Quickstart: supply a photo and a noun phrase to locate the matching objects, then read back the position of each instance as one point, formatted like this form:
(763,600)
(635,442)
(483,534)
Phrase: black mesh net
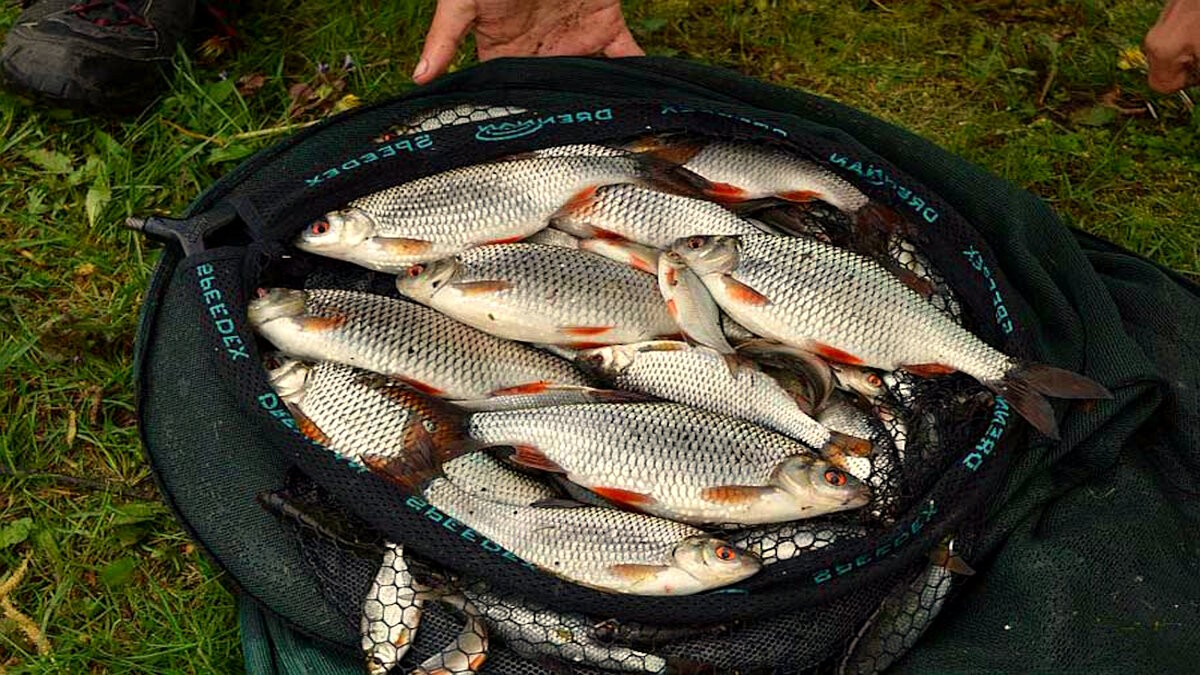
(850,591)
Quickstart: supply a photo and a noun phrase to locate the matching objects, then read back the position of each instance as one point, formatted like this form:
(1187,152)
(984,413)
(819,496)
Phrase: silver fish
(445,213)
(674,461)
(535,631)
(648,217)
(777,543)
(698,376)
(552,237)
(391,612)
(848,308)
(689,303)
(433,353)
(467,654)
(603,548)
(903,616)
(639,257)
(543,294)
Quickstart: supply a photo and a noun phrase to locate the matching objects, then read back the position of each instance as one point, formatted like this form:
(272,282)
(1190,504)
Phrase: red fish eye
(874,380)
(835,478)
(726,553)
(320,227)
(695,242)
(415,271)
(262,293)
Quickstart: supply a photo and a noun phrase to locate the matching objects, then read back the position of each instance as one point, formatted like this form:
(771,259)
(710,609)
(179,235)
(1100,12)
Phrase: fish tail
(659,171)
(1027,385)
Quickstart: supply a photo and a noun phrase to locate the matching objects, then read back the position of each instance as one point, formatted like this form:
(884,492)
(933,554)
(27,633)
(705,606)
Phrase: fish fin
(606,235)
(402,246)
(929,369)
(633,573)
(624,497)
(505,240)
(850,445)
(638,261)
(308,427)
(434,427)
(736,494)
(876,217)
(668,176)
(1028,403)
(419,386)
(578,202)
(584,331)
(800,195)
(481,287)
(317,324)
(831,353)
(673,309)
(587,344)
(1059,383)
(726,193)
(743,293)
(923,287)
(531,457)
(557,503)
(676,152)
(751,206)
(942,556)
(528,388)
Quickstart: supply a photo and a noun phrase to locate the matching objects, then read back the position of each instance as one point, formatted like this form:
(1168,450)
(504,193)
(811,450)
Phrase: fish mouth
(276,303)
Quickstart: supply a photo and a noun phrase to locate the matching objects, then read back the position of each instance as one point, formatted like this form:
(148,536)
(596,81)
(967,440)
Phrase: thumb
(623,45)
(451,21)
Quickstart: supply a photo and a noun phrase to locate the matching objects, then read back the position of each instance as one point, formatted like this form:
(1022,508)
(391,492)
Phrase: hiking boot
(105,54)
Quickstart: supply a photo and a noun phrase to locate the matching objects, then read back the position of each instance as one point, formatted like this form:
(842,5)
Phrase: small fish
(552,237)
(689,303)
(467,654)
(443,214)
(542,294)
(391,612)
(777,543)
(674,461)
(849,309)
(903,616)
(535,632)
(603,548)
(860,381)
(433,353)
(879,471)
(647,217)
(636,256)
(698,377)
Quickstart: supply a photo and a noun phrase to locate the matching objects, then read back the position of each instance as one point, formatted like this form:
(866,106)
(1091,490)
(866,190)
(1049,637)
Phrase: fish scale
(664,458)
(648,216)
(547,294)
(404,339)
(588,544)
(827,295)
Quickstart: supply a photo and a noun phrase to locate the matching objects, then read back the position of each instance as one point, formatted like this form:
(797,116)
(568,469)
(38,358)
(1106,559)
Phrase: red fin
(847,444)
(836,355)
(735,494)
(632,572)
(799,195)
(580,201)
(476,662)
(585,330)
(529,388)
(588,344)
(923,287)
(506,240)
(670,276)
(308,427)
(641,263)
(421,386)
(527,455)
(403,247)
(481,287)
(627,497)
(743,293)
(322,323)
(677,152)
(672,309)
(726,192)
(609,235)
(929,369)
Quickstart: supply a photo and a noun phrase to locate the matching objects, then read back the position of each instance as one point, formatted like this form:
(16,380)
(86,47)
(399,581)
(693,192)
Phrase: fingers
(1172,46)
(451,21)
(623,45)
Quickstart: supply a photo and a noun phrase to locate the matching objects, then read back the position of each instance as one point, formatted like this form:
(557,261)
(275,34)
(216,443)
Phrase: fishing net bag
(218,437)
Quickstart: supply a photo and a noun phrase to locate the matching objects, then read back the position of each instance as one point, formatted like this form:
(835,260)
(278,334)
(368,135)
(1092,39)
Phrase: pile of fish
(651,368)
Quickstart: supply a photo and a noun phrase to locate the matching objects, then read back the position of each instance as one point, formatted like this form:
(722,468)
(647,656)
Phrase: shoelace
(116,13)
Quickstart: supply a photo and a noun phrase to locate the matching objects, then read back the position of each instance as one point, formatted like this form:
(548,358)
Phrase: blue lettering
(449,524)
(387,151)
(491,546)
(211,296)
(403,144)
(604,115)
(583,116)
(469,535)
(350,165)
(225,326)
(206,268)
(268,400)
(415,503)
(369,157)
(424,141)
(822,576)
(312,182)
(218,309)
(973,461)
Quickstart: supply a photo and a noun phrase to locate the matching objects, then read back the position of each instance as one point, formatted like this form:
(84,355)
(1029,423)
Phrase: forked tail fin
(1027,385)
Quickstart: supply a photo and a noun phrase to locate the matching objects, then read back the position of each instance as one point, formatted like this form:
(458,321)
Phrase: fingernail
(422,66)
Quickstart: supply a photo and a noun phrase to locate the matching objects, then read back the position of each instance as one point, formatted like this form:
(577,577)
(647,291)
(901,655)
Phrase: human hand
(1172,47)
(524,28)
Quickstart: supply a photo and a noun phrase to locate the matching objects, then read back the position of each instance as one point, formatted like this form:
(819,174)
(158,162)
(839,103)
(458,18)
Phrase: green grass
(114,583)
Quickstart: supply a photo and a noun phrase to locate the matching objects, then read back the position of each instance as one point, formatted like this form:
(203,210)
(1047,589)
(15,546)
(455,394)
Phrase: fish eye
(835,478)
(725,552)
(874,380)
(695,243)
(319,227)
(415,271)
(261,293)
(429,425)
